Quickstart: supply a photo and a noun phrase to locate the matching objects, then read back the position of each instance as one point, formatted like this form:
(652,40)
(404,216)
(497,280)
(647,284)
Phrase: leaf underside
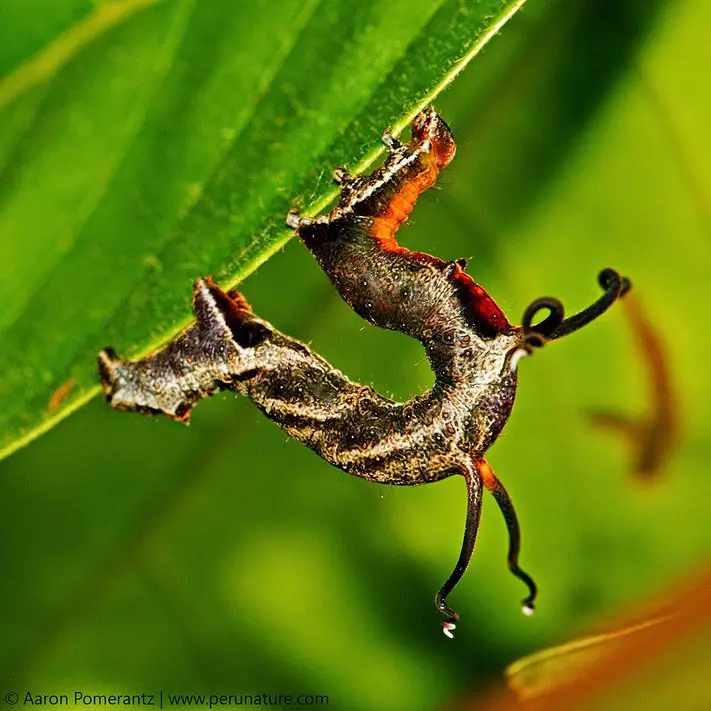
(155,142)
(138,554)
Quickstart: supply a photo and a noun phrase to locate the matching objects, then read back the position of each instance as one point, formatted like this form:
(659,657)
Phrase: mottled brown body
(472,348)
(389,285)
(348,424)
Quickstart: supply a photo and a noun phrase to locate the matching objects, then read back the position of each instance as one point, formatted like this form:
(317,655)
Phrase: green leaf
(138,554)
(155,142)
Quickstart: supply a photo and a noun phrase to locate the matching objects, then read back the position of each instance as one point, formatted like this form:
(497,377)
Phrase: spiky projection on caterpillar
(472,348)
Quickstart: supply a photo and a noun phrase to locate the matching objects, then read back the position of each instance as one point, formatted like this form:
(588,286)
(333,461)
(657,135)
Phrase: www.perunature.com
(163,699)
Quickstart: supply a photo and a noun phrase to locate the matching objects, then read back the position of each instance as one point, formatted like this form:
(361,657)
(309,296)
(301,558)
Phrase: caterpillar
(472,347)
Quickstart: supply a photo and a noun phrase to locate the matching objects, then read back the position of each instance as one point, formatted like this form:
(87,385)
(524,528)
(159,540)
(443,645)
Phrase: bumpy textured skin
(472,347)
(385,283)
(348,424)
(468,340)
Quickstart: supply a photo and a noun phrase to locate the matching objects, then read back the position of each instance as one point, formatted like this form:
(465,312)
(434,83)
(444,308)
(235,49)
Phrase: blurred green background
(139,555)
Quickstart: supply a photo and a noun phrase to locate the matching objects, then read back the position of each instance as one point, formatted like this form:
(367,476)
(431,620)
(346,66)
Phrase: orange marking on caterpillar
(400,206)
(490,479)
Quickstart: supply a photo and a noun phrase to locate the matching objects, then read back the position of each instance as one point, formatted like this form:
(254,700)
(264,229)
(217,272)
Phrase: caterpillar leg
(343,177)
(390,142)
(295,222)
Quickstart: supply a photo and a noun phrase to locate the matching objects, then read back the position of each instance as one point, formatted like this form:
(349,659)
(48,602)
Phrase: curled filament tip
(555,325)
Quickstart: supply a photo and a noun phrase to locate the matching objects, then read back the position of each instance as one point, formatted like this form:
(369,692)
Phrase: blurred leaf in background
(658,658)
(223,558)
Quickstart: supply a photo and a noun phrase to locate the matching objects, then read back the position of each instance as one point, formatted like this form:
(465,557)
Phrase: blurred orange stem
(653,437)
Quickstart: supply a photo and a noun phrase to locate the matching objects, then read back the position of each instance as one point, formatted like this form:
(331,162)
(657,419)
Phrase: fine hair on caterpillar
(472,347)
